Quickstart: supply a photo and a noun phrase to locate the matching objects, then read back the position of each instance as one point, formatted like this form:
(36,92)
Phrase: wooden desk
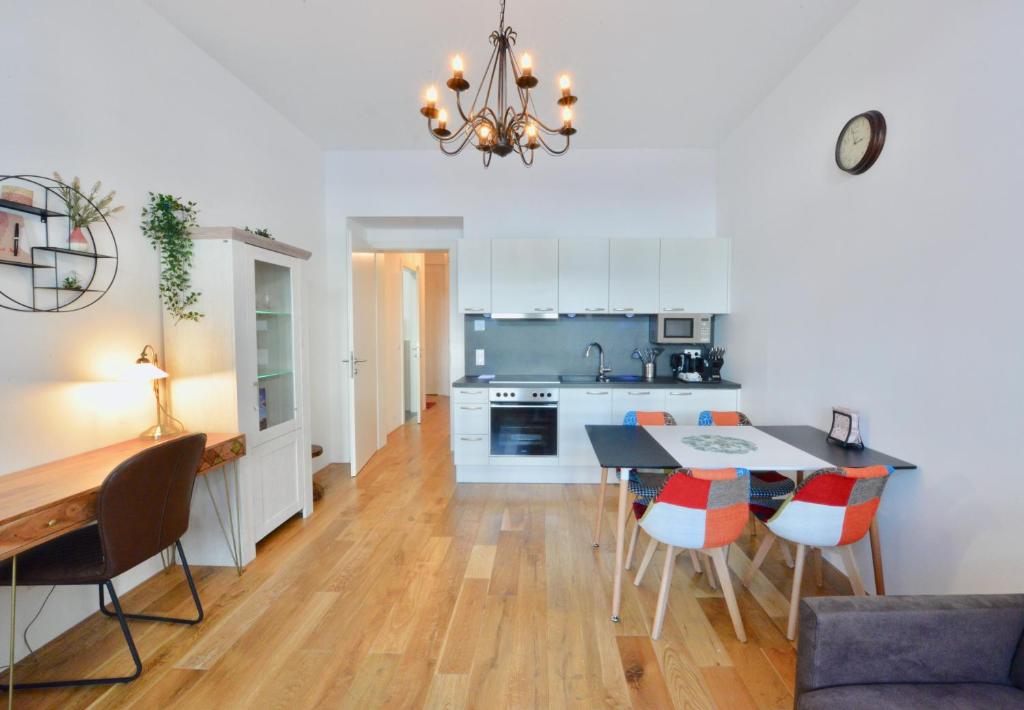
(43,502)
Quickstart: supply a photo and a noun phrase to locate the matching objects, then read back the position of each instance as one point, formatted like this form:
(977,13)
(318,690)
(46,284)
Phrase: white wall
(108,90)
(895,292)
(588,193)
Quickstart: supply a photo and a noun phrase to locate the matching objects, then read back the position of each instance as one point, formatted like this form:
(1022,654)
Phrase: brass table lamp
(146,369)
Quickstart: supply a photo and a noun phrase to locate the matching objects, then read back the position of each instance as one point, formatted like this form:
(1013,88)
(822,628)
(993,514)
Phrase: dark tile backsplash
(555,347)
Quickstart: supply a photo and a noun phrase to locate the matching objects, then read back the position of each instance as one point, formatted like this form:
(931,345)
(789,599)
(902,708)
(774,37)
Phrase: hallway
(404,590)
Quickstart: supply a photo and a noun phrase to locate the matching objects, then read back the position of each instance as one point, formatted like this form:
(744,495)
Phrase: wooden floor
(404,590)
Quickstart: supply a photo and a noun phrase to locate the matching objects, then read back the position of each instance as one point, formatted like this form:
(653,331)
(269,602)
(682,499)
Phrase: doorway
(411,345)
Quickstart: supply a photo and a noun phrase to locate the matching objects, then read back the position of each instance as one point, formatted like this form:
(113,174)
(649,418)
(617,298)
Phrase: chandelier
(496,126)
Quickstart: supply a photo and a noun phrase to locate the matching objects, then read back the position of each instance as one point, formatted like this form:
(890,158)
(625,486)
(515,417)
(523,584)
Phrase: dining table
(789,449)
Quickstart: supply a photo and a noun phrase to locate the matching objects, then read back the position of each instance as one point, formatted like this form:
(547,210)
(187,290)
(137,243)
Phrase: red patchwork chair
(703,510)
(833,507)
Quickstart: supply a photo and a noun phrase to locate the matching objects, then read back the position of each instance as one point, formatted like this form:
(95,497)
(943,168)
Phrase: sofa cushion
(914,696)
(1017,669)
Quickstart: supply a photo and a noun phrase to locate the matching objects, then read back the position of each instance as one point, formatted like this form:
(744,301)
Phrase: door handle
(638,393)
(471,408)
(352,361)
(595,310)
(473,310)
(679,394)
(471,438)
(543,310)
(622,310)
(590,392)
(669,310)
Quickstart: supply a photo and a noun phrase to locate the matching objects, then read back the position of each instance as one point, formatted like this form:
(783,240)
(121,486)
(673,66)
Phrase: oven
(524,422)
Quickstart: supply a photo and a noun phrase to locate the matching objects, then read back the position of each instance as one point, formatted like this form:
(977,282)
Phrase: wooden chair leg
(851,570)
(600,507)
(762,552)
(819,573)
(648,556)
(722,567)
(632,544)
(695,561)
(666,583)
(794,598)
(708,571)
(787,556)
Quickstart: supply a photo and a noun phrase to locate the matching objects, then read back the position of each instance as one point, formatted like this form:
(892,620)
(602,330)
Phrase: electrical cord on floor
(24,634)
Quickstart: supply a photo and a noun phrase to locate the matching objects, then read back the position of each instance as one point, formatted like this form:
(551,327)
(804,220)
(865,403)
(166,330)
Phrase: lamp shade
(145,372)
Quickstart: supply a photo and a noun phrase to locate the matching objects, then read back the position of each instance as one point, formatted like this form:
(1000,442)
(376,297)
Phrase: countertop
(659,383)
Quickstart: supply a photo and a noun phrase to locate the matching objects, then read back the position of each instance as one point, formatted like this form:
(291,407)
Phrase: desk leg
(233,530)
(620,544)
(14,632)
(876,557)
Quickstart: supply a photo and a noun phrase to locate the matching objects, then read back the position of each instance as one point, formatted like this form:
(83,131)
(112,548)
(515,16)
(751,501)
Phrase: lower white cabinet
(685,405)
(471,449)
(576,409)
(472,418)
(276,492)
(640,399)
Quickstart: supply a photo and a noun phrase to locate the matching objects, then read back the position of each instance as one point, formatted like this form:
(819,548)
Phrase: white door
(524,276)
(277,487)
(411,342)
(362,359)
(695,275)
(634,272)
(576,409)
(474,265)
(583,276)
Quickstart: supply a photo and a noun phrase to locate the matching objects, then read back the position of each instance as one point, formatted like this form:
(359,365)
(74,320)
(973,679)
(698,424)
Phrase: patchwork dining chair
(698,510)
(832,508)
(644,490)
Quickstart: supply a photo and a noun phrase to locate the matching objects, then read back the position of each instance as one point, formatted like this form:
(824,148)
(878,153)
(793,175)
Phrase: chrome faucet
(602,371)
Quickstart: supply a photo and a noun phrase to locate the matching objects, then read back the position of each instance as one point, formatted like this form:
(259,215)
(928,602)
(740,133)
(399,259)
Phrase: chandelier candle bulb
(526,80)
(430,110)
(565,85)
(442,124)
(457,67)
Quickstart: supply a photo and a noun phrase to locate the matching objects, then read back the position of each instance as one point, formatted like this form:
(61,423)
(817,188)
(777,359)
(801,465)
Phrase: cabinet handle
(471,438)
(592,392)
(474,310)
(471,408)
(622,310)
(543,310)
(595,310)
(667,310)
(679,394)
(471,391)
(638,393)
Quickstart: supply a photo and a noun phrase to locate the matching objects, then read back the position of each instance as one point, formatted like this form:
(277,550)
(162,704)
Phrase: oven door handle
(510,405)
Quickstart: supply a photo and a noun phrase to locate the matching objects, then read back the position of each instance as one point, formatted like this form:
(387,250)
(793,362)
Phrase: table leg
(14,633)
(620,544)
(233,530)
(876,557)
(600,507)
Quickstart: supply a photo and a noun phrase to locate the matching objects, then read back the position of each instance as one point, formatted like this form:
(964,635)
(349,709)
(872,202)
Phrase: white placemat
(732,447)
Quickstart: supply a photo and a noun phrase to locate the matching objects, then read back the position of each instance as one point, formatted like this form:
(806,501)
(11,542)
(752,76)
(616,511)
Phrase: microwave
(675,329)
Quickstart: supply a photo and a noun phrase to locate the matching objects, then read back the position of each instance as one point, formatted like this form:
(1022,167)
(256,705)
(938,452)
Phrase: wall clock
(860,142)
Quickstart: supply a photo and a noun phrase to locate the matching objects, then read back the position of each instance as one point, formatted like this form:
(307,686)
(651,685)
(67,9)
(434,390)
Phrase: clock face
(860,142)
(853,144)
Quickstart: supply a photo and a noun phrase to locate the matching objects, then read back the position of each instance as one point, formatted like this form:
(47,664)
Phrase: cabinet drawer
(471,450)
(47,523)
(469,395)
(472,419)
(638,399)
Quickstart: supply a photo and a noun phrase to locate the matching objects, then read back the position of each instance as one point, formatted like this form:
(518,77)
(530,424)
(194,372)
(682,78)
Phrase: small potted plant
(84,210)
(72,282)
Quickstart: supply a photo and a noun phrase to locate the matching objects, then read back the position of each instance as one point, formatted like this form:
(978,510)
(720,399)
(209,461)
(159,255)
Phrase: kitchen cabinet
(472,419)
(583,275)
(695,275)
(685,405)
(576,409)
(524,276)
(242,368)
(633,275)
(640,399)
(474,266)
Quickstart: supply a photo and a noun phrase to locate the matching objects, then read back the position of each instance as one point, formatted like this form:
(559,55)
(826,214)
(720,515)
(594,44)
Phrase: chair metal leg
(119,613)
(168,619)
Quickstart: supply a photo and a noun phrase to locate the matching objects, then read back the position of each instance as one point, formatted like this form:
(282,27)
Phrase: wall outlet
(478,324)
(693,353)
(479,357)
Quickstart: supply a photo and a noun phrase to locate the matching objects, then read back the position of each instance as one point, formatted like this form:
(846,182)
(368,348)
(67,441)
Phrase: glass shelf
(273,313)
(274,374)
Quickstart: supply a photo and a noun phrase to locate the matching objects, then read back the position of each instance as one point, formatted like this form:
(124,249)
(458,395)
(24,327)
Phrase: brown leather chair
(142,509)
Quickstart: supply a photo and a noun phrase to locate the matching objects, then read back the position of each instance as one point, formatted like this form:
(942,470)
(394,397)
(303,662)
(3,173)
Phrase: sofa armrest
(920,639)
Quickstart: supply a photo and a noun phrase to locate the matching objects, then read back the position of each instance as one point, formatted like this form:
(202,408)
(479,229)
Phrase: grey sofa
(911,652)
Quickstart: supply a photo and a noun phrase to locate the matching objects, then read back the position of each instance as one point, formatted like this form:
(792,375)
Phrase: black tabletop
(618,446)
(812,440)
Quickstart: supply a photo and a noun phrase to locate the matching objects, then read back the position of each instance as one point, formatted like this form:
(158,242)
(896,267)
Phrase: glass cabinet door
(275,373)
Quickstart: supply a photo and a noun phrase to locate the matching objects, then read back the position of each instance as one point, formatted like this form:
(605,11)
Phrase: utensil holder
(649,371)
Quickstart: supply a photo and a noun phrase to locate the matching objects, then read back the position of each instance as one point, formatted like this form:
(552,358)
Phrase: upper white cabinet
(524,276)
(695,275)
(474,275)
(583,275)
(633,275)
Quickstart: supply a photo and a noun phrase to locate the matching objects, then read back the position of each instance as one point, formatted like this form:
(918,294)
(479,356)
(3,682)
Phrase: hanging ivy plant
(167,222)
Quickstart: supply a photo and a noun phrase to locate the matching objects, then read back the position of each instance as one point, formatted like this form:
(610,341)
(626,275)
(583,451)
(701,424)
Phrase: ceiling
(649,73)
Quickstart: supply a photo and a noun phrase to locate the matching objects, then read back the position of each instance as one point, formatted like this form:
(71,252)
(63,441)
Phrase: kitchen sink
(625,378)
